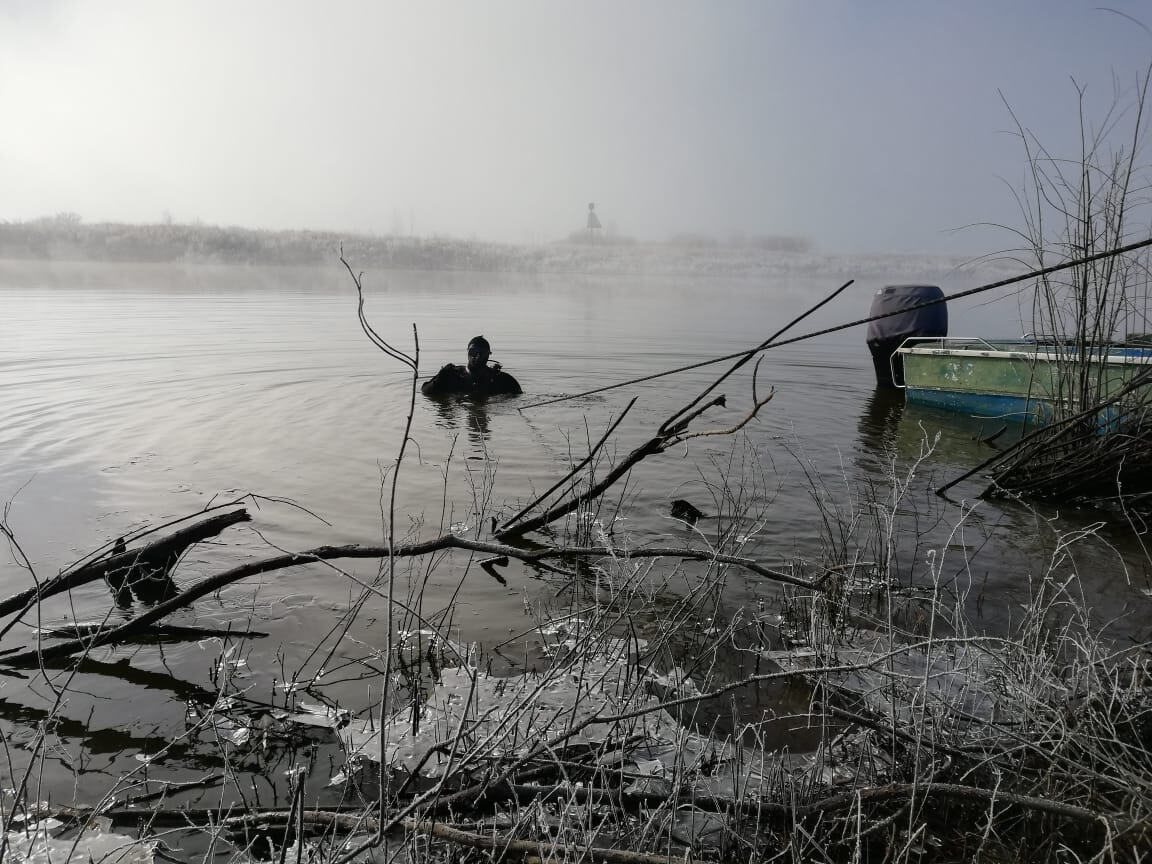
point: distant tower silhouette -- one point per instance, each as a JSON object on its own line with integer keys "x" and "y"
{"x": 593, "y": 221}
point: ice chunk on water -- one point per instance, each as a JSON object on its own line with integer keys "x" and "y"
{"x": 37, "y": 845}
{"x": 675, "y": 684}
{"x": 321, "y": 716}
{"x": 511, "y": 715}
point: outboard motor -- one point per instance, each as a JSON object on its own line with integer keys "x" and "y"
{"x": 887, "y": 334}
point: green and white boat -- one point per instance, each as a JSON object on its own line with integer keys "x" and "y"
{"x": 1013, "y": 379}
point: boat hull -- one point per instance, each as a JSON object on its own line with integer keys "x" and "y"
{"x": 1013, "y": 381}
{"x": 983, "y": 405}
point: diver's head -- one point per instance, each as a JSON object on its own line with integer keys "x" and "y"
{"x": 478, "y": 353}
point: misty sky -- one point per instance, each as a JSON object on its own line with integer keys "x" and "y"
{"x": 867, "y": 126}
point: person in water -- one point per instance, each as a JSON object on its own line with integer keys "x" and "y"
{"x": 475, "y": 379}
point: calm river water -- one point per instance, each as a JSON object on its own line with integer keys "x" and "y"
{"x": 131, "y": 395}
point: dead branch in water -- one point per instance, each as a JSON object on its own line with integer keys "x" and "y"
{"x": 674, "y": 430}
{"x": 158, "y": 555}
{"x": 99, "y": 635}
{"x": 1041, "y": 441}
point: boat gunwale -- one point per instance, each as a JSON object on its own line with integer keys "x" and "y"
{"x": 922, "y": 349}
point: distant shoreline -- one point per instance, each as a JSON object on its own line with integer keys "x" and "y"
{"x": 67, "y": 239}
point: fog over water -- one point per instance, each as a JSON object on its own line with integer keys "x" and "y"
{"x": 875, "y": 126}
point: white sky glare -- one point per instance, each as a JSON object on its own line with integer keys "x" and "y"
{"x": 866, "y": 126}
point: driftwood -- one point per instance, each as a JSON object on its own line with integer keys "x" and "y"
{"x": 126, "y": 566}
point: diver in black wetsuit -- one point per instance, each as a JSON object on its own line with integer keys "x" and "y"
{"x": 475, "y": 379}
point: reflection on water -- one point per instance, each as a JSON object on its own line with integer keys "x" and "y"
{"x": 888, "y": 426}
{"x": 469, "y": 413}
{"x": 879, "y": 422}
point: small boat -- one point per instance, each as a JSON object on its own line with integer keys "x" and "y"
{"x": 1027, "y": 379}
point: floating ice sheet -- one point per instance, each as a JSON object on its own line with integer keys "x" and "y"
{"x": 954, "y": 677}
{"x": 39, "y": 845}
{"x": 509, "y": 716}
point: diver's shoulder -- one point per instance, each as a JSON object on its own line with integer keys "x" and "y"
{"x": 448, "y": 379}
{"x": 505, "y": 383}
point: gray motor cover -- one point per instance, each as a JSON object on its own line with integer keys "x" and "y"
{"x": 931, "y": 321}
